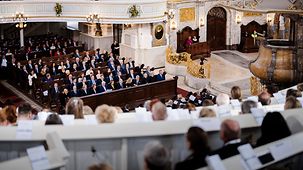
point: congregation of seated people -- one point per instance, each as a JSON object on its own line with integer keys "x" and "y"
{"x": 60, "y": 77}
{"x": 274, "y": 127}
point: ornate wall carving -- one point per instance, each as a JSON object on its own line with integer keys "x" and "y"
{"x": 187, "y": 14}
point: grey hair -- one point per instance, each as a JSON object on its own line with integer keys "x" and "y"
{"x": 156, "y": 155}
{"x": 222, "y": 99}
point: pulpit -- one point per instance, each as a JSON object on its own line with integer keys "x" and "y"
{"x": 198, "y": 50}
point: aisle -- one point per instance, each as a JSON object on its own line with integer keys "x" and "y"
{"x": 10, "y": 92}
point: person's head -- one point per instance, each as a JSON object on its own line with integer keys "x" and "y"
{"x": 3, "y": 119}
{"x": 24, "y": 112}
{"x": 274, "y": 127}
{"x": 75, "y": 106}
{"x": 10, "y": 113}
{"x": 207, "y": 112}
{"x": 236, "y": 93}
{"x": 207, "y": 102}
{"x": 105, "y": 114}
{"x": 222, "y": 99}
{"x": 264, "y": 98}
{"x": 300, "y": 87}
{"x": 230, "y": 130}
{"x": 293, "y": 92}
{"x": 247, "y": 105}
{"x": 53, "y": 119}
{"x": 156, "y": 156}
{"x": 197, "y": 140}
{"x": 159, "y": 111}
{"x": 292, "y": 103}
{"x": 87, "y": 110}
{"x": 101, "y": 166}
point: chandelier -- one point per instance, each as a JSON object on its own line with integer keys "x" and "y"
{"x": 21, "y": 19}
{"x": 93, "y": 18}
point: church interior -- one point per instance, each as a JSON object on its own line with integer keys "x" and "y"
{"x": 151, "y": 84}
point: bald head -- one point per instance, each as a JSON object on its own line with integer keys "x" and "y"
{"x": 230, "y": 130}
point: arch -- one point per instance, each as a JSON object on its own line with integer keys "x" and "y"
{"x": 216, "y": 28}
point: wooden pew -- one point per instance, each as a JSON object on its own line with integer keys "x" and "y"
{"x": 198, "y": 50}
{"x": 134, "y": 96}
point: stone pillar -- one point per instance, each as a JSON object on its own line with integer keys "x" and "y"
{"x": 21, "y": 37}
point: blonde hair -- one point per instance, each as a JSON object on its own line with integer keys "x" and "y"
{"x": 207, "y": 112}
{"x": 105, "y": 114}
{"x": 87, "y": 110}
{"x": 75, "y": 106}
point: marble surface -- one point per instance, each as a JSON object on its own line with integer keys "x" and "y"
{"x": 226, "y": 73}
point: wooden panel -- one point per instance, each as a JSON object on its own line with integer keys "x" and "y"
{"x": 183, "y": 35}
{"x": 247, "y": 43}
{"x": 134, "y": 96}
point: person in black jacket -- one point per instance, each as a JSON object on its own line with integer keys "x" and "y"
{"x": 197, "y": 143}
{"x": 230, "y": 134}
{"x": 274, "y": 127}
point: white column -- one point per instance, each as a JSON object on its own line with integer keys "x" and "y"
{"x": 21, "y": 38}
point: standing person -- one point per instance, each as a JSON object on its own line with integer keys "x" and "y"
{"x": 115, "y": 48}
{"x": 3, "y": 66}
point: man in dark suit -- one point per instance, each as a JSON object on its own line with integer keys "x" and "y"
{"x": 94, "y": 89}
{"x": 55, "y": 93}
{"x": 103, "y": 87}
{"x": 230, "y": 133}
{"x": 120, "y": 84}
{"x": 137, "y": 81}
{"x": 160, "y": 76}
{"x": 84, "y": 90}
{"x": 29, "y": 65}
{"x": 74, "y": 92}
{"x": 132, "y": 74}
{"x": 76, "y": 54}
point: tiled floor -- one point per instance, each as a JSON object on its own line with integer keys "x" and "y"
{"x": 227, "y": 71}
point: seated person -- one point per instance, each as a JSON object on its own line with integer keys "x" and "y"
{"x": 160, "y": 76}
{"x": 24, "y": 112}
{"x": 53, "y": 119}
{"x": 293, "y": 92}
{"x": 159, "y": 111}
{"x": 230, "y": 134}
{"x": 264, "y": 98}
{"x": 156, "y": 156}
{"x": 197, "y": 142}
{"x": 236, "y": 93}
{"x": 74, "y": 106}
{"x": 222, "y": 99}
{"x": 274, "y": 127}
{"x": 105, "y": 114}
{"x": 300, "y": 87}
{"x": 292, "y": 103}
{"x": 207, "y": 112}
{"x": 247, "y": 105}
